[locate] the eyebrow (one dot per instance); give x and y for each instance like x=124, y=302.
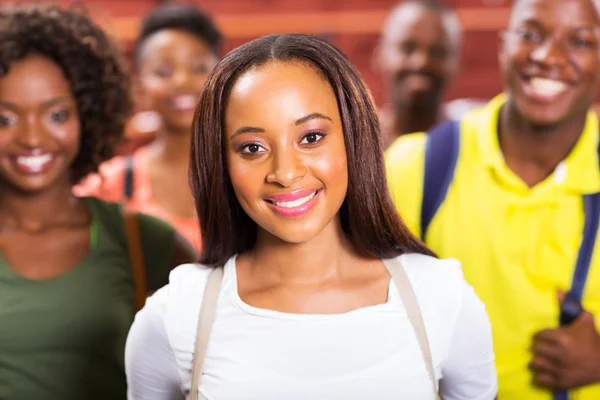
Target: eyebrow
x=300, y=121
x=46, y=104
x=310, y=117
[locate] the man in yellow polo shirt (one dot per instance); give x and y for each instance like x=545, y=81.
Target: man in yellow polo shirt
x=513, y=213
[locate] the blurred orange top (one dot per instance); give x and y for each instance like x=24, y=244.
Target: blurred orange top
x=109, y=185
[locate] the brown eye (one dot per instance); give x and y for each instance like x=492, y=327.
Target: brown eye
x=581, y=43
x=163, y=72
x=6, y=121
x=60, y=116
x=312, y=138
x=252, y=148
x=529, y=35
x=200, y=69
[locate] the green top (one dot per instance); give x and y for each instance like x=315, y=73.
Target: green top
x=64, y=338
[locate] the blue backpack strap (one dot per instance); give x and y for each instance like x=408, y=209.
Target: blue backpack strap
x=128, y=185
x=441, y=154
x=572, y=307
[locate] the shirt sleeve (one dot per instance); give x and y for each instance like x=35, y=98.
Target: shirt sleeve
x=158, y=241
x=469, y=371
x=405, y=161
x=152, y=372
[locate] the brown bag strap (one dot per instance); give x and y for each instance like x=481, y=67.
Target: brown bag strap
x=413, y=311
x=136, y=258
x=205, y=321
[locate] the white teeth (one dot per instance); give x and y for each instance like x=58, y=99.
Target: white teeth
x=547, y=87
x=295, y=203
x=185, y=102
x=34, y=161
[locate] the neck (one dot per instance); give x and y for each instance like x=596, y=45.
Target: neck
x=172, y=148
x=539, y=147
x=34, y=212
x=407, y=119
x=317, y=260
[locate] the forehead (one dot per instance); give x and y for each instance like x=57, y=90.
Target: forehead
x=172, y=41
x=32, y=79
x=416, y=22
x=568, y=13
x=280, y=90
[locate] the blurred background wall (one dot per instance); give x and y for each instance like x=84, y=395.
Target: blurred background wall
x=352, y=25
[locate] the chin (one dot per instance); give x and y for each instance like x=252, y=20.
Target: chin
x=30, y=186
x=181, y=124
x=295, y=232
x=540, y=115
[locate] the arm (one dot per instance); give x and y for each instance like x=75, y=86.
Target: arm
x=469, y=371
x=152, y=372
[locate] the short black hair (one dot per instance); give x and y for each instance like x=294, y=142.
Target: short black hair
x=185, y=17
x=92, y=64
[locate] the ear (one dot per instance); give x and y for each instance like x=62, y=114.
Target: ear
x=456, y=63
x=139, y=96
x=502, y=36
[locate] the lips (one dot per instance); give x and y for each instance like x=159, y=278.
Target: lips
x=418, y=83
x=184, y=102
x=293, y=204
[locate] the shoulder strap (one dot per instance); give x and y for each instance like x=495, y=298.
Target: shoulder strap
x=441, y=154
x=205, y=321
x=413, y=311
x=136, y=258
x=128, y=184
x=571, y=307
x=211, y=296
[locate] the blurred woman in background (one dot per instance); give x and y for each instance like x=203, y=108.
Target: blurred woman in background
x=66, y=280
x=177, y=49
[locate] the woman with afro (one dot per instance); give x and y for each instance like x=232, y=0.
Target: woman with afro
x=67, y=287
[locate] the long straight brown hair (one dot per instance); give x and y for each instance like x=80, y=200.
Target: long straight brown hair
x=368, y=215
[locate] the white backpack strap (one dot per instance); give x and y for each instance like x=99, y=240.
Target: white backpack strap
x=413, y=311
x=205, y=321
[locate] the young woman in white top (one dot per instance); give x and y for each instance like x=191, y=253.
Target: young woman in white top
x=288, y=176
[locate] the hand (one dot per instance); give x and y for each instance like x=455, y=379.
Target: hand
x=567, y=357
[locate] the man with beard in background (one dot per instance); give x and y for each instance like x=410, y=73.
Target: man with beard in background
x=418, y=55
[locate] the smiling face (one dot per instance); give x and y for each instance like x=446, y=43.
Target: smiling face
x=39, y=125
x=285, y=152
x=550, y=59
x=418, y=55
x=174, y=66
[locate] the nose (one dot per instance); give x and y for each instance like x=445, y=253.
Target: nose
x=182, y=78
x=419, y=60
x=550, y=52
x=287, y=168
x=31, y=133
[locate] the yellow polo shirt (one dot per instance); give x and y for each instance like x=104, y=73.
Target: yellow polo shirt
x=517, y=245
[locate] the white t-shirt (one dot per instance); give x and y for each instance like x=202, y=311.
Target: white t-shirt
x=368, y=353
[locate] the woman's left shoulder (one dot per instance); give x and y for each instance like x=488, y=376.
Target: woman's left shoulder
x=424, y=269
x=438, y=283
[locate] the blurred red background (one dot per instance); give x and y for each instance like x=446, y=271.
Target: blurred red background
x=352, y=25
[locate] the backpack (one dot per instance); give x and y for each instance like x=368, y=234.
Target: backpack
x=441, y=155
